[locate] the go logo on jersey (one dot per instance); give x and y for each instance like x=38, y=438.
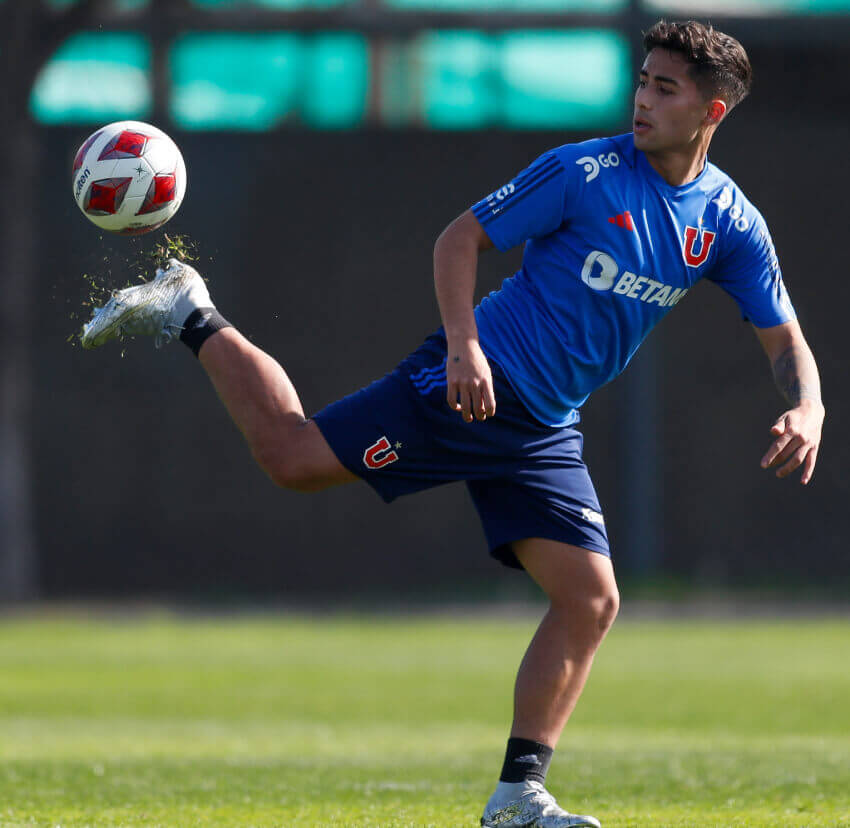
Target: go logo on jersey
x=591, y=165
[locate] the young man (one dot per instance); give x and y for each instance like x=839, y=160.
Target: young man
x=616, y=231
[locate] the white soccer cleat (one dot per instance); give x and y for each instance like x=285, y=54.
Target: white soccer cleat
x=157, y=308
x=535, y=808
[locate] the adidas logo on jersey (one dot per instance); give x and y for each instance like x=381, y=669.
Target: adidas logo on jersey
x=623, y=220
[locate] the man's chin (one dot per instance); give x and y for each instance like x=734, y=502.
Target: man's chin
x=643, y=142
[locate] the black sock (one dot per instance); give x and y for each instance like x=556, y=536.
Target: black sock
x=525, y=760
x=200, y=325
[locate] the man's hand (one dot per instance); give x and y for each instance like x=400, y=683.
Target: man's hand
x=798, y=435
x=468, y=378
x=469, y=382
x=797, y=431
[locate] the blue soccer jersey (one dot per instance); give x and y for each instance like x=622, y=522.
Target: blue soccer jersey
x=610, y=248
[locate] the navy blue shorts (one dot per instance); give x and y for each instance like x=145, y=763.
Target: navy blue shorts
x=527, y=480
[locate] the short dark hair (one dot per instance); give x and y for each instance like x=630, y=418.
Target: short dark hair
x=719, y=64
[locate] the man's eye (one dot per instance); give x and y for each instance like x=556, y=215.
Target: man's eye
x=641, y=83
x=664, y=91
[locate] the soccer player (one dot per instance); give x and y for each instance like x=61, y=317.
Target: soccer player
x=616, y=231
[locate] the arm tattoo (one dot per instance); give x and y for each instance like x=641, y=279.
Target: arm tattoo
x=795, y=375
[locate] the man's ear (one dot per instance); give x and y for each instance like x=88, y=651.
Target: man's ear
x=716, y=110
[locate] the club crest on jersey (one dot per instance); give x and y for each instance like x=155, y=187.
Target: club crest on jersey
x=706, y=240
x=380, y=454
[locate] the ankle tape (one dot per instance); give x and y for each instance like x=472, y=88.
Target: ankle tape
x=200, y=325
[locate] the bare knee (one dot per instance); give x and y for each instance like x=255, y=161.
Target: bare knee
x=580, y=585
x=589, y=617
x=605, y=609
x=297, y=478
x=285, y=457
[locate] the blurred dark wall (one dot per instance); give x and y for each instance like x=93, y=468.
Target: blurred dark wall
x=318, y=246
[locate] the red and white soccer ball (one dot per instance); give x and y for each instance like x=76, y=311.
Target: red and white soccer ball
x=129, y=177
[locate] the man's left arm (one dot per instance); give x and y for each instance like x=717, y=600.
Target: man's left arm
x=797, y=432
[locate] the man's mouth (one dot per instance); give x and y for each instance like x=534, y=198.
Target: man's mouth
x=640, y=125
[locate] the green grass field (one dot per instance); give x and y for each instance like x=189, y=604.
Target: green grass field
x=298, y=721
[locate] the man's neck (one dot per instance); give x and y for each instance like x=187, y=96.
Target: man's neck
x=681, y=165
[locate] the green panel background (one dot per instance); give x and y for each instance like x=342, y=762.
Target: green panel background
x=523, y=79
x=235, y=81
x=95, y=76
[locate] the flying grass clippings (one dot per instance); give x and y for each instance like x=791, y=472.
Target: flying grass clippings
x=98, y=292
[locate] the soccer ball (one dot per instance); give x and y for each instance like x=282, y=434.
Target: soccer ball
x=129, y=177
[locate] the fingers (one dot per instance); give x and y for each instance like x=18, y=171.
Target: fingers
x=478, y=400
x=466, y=405
x=798, y=435
x=489, y=399
x=485, y=400
x=780, y=426
x=459, y=399
x=778, y=451
x=809, y=465
x=452, y=391
x=794, y=461
x=469, y=382
x=473, y=400
x=788, y=452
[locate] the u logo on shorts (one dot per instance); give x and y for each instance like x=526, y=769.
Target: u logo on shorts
x=379, y=454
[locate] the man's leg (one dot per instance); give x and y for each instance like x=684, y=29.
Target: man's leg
x=254, y=388
x=584, y=601
x=263, y=403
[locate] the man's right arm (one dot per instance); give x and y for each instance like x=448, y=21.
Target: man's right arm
x=531, y=205
x=468, y=378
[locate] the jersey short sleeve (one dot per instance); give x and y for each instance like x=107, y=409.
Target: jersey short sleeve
x=749, y=271
x=531, y=205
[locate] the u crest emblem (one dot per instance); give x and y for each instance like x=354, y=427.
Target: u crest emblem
x=379, y=454
x=706, y=240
